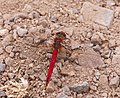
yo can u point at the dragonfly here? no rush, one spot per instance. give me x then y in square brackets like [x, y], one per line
[60, 36]
[57, 45]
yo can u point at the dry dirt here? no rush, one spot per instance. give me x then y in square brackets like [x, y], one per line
[88, 65]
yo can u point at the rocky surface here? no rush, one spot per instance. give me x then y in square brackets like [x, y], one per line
[88, 65]
[97, 14]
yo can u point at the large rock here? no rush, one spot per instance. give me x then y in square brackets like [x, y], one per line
[88, 58]
[97, 14]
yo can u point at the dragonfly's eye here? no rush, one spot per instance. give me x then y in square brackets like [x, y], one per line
[61, 34]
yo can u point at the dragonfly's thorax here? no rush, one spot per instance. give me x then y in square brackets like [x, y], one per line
[60, 36]
[57, 43]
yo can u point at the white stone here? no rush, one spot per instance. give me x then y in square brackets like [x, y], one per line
[27, 8]
[97, 75]
[110, 3]
[21, 31]
[3, 32]
[97, 14]
[42, 77]
[74, 44]
[117, 50]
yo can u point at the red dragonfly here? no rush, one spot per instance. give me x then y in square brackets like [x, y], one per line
[60, 36]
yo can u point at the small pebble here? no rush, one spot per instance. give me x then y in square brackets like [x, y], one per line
[21, 31]
[69, 30]
[114, 80]
[1, 22]
[15, 35]
[50, 88]
[9, 61]
[7, 40]
[110, 2]
[6, 16]
[12, 54]
[34, 14]
[1, 50]
[67, 71]
[8, 48]
[11, 75]
[65, 89]
[3, 32]
[97, 47]
[75, 44]
[27, 8]
[2, 67]
[62, 95]
[104, 95]
[2, 94]
[117, 50]
[31, 65]
[103, 80]
[80, 88]
[53, 19]
[93, 87]
[95, 39]
[97, 75]
[116, 59]
[42, 77]
[89, 34]
[112, 43]
[32, 30]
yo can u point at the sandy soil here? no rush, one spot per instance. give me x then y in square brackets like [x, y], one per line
[87, 67]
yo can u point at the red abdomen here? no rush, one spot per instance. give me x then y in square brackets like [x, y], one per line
[52, 63]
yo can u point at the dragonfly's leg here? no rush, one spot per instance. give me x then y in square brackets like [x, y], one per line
[60, 50]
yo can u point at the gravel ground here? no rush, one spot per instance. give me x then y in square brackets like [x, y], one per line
[88, 66]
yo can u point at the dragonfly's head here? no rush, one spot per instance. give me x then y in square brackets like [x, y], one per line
[61, 35]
